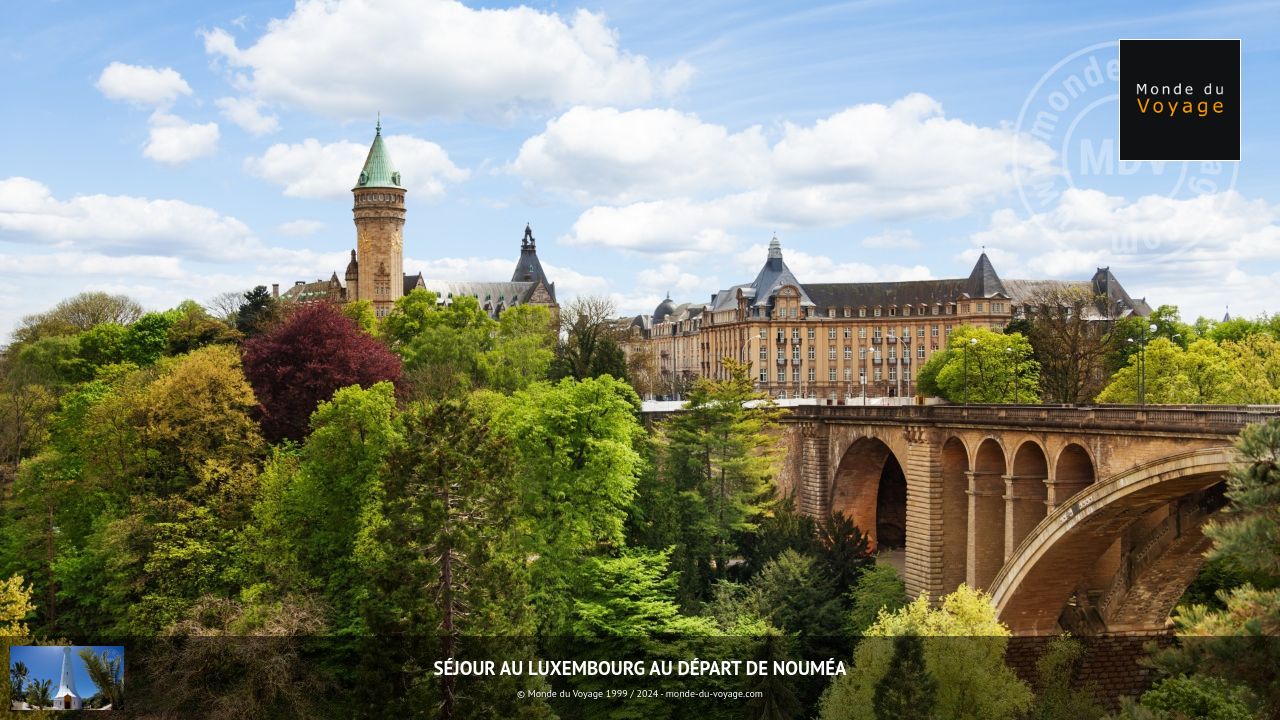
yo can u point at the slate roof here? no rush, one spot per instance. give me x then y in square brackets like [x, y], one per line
[378, 172]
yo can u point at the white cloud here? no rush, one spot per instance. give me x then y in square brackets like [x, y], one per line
[810, 268]
[300, 227]
[674, 279]
[174, 141]
[1187, 251]
[313, 170]
[347, 58]
[118, 224]
[142, 85]
[248, 114]
[665, 179]
[892, 240]
[96, 264]
[619, 157]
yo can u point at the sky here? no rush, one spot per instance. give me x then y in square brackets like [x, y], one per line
[44, 662]
[171, 150]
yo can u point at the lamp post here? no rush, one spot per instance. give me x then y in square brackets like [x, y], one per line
[972, 342]
[1142, 362]
[1013, 374]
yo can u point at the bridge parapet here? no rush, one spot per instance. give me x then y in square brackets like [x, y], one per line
[1207, 418]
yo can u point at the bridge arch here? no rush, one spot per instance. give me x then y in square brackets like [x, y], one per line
[955, 512]
[1026, 493]
[1073, 470]
[870, 488]
[1033, 587]
[986, 512]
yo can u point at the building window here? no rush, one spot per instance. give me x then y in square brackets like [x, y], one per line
[920, 351]
[934, 348]
[795, 375]
[812, 375]
[848, 353]
[906, 310]
[948, 332]
[764, 334]
[862, 353]
[764, 353]
[893, 374]
[813, 352]
[862, 376]
[878, 375]
[795, 334]
[862, 312]
[795, 353]
[920, 331]
[764, 375]
[848, 333]
[893, 311]
[933, 331]
[848, 373]
[862, 333]
[811, 333]
[782, 376]
[877, 312]
[979, 307]
[831, 312]
[831, 353]
[831, 333]
[875, 334]
[997, 307]
[831, 375]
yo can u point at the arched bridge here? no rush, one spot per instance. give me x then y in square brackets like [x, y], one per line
[1078, 518]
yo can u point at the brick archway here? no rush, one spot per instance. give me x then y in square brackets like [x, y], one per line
[869, 487]
[1032, 589]
[955, 513]
[986, 513]
[1026, 492]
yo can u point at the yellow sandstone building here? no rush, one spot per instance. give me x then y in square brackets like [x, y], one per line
[834, 340]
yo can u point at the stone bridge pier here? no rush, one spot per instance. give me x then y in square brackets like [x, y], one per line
[1085, 519]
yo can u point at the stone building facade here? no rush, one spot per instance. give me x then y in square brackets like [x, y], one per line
[835, 340]
[376, 270]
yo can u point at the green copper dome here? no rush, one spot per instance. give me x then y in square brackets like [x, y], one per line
[378, 171]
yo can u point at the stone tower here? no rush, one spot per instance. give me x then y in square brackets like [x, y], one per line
[378, 266]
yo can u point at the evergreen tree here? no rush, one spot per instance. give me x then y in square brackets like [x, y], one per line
[907, 689]
[720, 458]
[257, 312]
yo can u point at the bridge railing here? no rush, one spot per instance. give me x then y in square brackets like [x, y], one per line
[1210, 418]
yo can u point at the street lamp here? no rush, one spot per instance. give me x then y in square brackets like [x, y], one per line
[972, 342]
[1142, 362]
[1013, 375]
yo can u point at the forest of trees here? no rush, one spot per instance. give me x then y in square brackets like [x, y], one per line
[290, 510]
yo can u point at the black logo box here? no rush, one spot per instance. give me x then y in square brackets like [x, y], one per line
[1158, 78]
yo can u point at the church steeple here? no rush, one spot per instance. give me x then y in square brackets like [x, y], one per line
[528, 267]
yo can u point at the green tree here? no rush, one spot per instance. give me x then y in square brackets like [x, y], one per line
[590, 347]
[982, 366]
[575, 476]
[101, 345]
[40, 694]
[442, 345]
[147, 338]
[630, 595]
[78, 313]
[1072, 340]
[878, 589]
[257, 311]
[361, 311]
[107, 672]
[1199, 698]
[796, 595]
[1255, 366]
[907, 689]
[18, 675]
[720, 458]
[193, 327]
[1166, 377]
[522, 349]
[844, 552]
[1237, 643]
[15, 606]
[964, 646]
[1056, 699]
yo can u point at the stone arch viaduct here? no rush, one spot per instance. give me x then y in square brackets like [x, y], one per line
[1086, 519]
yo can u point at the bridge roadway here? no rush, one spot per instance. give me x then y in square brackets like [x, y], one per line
[1079, 518]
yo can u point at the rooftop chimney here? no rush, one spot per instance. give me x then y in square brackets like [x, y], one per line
[275, 289]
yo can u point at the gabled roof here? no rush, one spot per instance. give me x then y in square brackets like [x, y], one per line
[528, 268]
[378, 171]
[774, 275]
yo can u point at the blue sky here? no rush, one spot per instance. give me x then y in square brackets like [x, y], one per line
[170, 150]
[44, 662]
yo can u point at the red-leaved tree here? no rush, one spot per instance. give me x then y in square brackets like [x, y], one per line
[301, 362]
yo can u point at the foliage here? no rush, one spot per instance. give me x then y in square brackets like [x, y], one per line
[631, 595]
[780, 528]
[147, 338]
[522, 349]
[590, 348]
[964, 648]
[1199, 697]
[793, 593]
[878, 589]
[107, 673]
[15, 606]
[257, 312]
[76, 314]
[844, 552]
[192, 328]
[994, 368]
[1071, 343]
[361, 311]
[720, 459]
[299, 364]
[1056, 699]
[40, 693]
[1237, 643]
[907, 689]
[575, 475]
[1244, 371]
